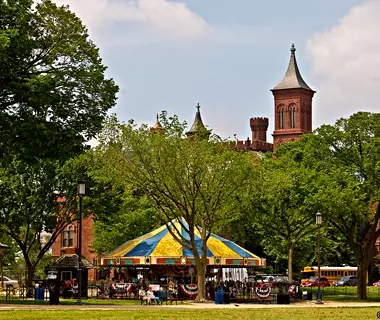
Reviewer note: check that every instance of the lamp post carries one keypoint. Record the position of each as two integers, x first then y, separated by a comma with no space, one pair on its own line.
81,190
318,221
3,247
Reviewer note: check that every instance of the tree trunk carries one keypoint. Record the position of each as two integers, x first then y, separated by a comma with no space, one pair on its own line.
362,277
201,280
30,268
290,264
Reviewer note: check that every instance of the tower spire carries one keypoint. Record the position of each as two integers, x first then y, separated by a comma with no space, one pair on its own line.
292,78
198,128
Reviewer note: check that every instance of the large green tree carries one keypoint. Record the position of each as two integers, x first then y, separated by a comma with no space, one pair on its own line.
36,199
284,206
53,91
195,181
54,96
347,155
120,211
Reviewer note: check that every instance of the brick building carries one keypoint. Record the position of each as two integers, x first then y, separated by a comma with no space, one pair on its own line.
292,118
66,244
292,112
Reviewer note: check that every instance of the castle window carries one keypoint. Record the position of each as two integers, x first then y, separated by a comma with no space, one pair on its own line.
71,236
281,114
67,237
293,120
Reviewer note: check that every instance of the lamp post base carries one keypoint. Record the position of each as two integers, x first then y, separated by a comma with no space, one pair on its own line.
79,302
319,301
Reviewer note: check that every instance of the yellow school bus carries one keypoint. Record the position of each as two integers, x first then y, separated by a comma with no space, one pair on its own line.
331,273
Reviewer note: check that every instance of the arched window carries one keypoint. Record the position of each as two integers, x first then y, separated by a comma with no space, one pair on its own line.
293,115
65,238
68,237
71,236
281,120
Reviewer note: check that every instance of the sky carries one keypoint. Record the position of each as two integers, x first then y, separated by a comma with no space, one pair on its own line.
226,55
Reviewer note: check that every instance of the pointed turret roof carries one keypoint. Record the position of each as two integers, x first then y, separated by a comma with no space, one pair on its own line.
198,127
293,78
157,127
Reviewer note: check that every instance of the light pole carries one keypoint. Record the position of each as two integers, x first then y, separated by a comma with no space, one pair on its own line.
81,190
318,221
3,247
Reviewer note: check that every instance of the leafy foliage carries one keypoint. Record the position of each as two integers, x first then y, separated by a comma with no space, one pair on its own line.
346,156
53,93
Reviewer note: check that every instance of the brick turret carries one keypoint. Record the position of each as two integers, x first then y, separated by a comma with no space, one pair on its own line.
259,127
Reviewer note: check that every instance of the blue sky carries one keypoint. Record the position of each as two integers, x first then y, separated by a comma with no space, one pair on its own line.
228,54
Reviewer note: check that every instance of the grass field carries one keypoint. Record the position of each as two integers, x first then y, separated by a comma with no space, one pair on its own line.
199,314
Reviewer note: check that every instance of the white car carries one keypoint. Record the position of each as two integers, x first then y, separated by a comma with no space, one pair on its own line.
268,279
10,282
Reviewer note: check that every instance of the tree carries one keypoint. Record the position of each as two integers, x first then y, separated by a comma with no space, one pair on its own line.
53,92
347,155
36,199
53,98
195,181
120,212
283,206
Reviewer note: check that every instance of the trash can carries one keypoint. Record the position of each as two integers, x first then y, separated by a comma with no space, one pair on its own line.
37,293
226,298
219,297
41,293
53,294
316,296
309,296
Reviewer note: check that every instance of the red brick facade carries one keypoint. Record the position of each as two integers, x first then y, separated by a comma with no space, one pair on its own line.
293,116
67,242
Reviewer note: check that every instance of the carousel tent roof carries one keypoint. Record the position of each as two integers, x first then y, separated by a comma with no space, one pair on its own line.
160,247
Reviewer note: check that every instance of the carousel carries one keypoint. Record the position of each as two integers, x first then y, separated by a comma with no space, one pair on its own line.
157,257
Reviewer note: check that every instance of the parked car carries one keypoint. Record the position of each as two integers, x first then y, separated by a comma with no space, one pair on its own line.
376,284
281,279
268,278
346,281
8,281
313,282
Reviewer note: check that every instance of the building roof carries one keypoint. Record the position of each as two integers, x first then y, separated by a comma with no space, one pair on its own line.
292,78
198,126
157,125
71,261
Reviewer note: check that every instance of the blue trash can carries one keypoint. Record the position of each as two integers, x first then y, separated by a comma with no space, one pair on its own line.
316,296
37,294
219,297
42,293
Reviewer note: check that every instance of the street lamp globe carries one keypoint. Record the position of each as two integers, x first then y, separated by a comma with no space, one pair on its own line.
81,189
318,219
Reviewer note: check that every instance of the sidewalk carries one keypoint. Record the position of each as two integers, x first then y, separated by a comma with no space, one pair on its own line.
305,304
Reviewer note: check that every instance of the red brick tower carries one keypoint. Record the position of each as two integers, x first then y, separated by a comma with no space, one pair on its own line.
259,127
292,105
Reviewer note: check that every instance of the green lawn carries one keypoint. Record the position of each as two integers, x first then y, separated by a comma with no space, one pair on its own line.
72,302
345,293
200,314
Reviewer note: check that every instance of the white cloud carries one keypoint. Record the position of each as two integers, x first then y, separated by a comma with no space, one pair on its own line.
151,19
345,63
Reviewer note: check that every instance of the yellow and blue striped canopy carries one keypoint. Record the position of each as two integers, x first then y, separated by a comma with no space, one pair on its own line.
160,247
